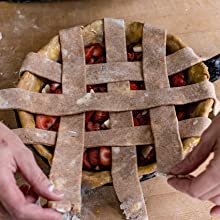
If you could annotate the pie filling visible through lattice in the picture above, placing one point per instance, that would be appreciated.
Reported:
(115, 97)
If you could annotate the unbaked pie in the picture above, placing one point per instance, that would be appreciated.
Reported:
(118, 101)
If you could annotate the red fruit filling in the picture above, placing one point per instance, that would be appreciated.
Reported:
(99, 158)
(105, 156)
(178, 80)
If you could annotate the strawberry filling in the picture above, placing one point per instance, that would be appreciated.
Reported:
(45, 122)
(86, 163)
(178, 80)
(93, 156)
(99, 158)
(95, 54)
(105, 156)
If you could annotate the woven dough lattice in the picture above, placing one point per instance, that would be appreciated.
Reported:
(165, 132)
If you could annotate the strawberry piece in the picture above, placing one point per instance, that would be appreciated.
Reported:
(91, 61)
(89, 87)
(100, 116)
(178, 80)
(93, 156)
(56, 125)
(54, 87)
(136, 122)
(180, 115)
(86, 163)
(180, 75)
(88, 116)
(136, 112)
(88, 52)
(58, 91)
(143, 119)
(45, 122)
(131, 56)
(97, 88)
(91, 126)
(102, 88)
(105, 156)
(133, 86)
(137, 56)
(100, 60)
(98, 50)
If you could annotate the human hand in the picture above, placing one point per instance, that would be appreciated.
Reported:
(20, 203)
(205, 186)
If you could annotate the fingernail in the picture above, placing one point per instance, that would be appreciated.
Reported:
(169, 176)
(58, 193)
(55, 191)
(51, 188)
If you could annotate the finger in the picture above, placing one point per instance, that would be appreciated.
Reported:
(211, 194)
(11, 196)
(3, 213)
(14, 201)
(200, 152)
(34, 212)
(203, 183)
(198, 155)
(215, 211)
(31, 196)
(183, 185)
(209, 179)
(216, 199)
(35, 176)
(9, 138)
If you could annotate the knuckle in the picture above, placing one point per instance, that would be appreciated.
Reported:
(214, 177)
(39, 179)
(7, 153)
(214, 171)
(21, 152)
(202, 198)
(28, 153)
(192, 192)
(216, 200)
(3, 186)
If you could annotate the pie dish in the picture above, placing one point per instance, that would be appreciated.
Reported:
(164, 119)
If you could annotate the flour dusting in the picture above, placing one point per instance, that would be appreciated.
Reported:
(84, 99)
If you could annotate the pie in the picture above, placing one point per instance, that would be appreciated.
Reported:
(107, 97)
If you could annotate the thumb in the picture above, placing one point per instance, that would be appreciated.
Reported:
(195, 158)
(35, 177)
